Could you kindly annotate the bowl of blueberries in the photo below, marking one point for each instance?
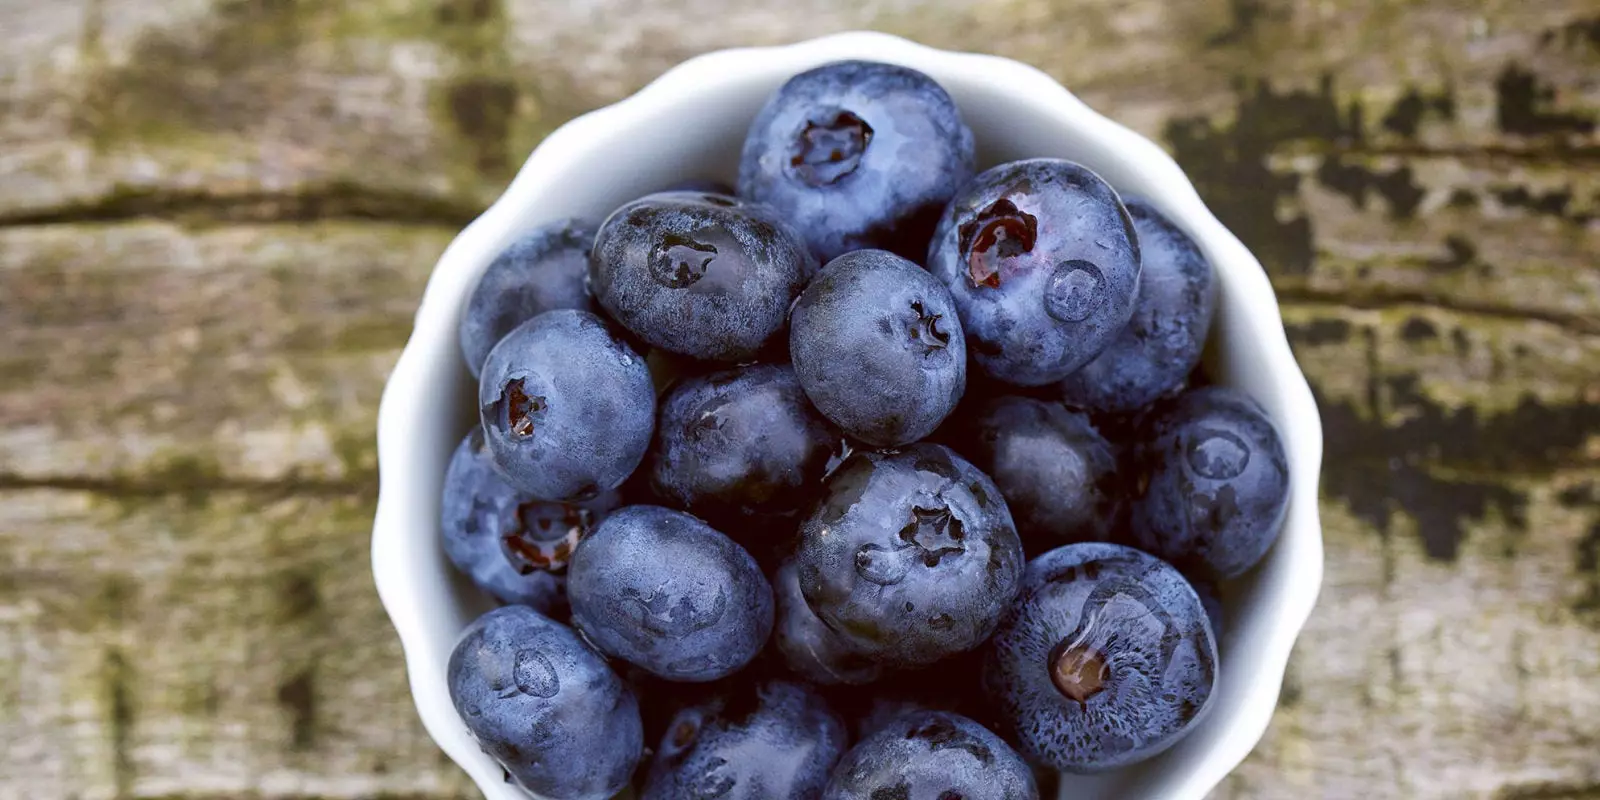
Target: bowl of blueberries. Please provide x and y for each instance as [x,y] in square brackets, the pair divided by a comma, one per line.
[847,420]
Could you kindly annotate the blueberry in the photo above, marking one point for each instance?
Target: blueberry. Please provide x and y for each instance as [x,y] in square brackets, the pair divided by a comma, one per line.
[545,705]
[542,271]
[807,645]
[666,591]
[1213,483]
[702,275]
[740,443]
[911,556]
[567,406]
[932,755]
[859,155]
[1043,263]
[769,741]
[1161,344]
[513,546]
[1104,660]
[1057,473]
[878,348]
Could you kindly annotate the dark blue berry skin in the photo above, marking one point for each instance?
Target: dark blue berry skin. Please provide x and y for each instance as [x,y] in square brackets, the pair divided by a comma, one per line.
[567,406]
[702,275]
[545,705]
[859,155]
[740,443]
[512,545]
[1043,263]
[878,348]
[544,270]
[808,647]
[1153,356]
[1057,473]
[911,556]
[774,740]
[932,755]
[1214,483]
[669,593]
[1106,659]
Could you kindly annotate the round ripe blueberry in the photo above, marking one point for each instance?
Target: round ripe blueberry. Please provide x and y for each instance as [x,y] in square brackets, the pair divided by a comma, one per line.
[545,705]
[878,348]
[512,545]
[754,741]
[932,755]
[567,406]
[911,556]
[859,155]
[1105,659]
[1057,473]
[807,645]
[666,591]
[739,443]
[542,271]
[703,275]
[1161,345]
[1043,263]
[1211,481]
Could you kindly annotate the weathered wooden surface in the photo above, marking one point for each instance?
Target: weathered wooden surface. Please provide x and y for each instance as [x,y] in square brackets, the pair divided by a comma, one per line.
[216,217]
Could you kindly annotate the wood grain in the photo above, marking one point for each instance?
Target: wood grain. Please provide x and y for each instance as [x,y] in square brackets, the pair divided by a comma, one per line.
[216,217]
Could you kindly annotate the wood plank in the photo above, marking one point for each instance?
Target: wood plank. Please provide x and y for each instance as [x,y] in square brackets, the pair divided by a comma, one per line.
[153,354]
[208,646]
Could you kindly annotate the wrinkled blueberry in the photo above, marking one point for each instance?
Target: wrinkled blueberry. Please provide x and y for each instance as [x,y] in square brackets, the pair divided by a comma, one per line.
[740,443]
[1104,660]
[542,271]
[775,740]
[860,155]
[567,406]
[513,546]
[878,348]
[1212,483]
[911,556]
[932,755]
[807,645]
[545,705]
[1043,263]
[1161,344]
[668,592]
[703,275]
[1056,472]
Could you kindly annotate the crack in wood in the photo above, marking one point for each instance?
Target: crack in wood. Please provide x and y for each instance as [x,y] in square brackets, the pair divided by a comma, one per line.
[126,487]
[1387,299]
[335,201]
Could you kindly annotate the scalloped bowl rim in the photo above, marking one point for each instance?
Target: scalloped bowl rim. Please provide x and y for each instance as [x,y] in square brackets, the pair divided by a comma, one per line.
[1289,579]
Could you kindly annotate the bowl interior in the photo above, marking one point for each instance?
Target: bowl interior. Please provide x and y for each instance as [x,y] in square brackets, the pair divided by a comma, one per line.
[690,123]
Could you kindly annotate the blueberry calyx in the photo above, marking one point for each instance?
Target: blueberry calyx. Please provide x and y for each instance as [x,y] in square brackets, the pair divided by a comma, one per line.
[934,531]
[538,544]
[522,409]
[1001,231]
[926,330]
[1217,454]
[826,151]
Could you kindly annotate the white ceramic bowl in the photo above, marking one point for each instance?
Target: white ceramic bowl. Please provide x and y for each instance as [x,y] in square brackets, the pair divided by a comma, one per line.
[690,123]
